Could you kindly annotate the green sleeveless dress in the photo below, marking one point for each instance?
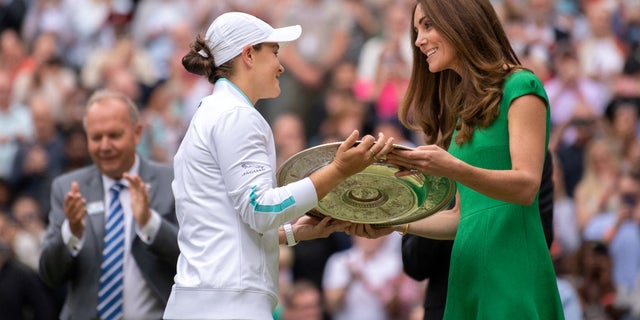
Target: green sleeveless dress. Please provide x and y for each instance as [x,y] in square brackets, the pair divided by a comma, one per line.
[500,263]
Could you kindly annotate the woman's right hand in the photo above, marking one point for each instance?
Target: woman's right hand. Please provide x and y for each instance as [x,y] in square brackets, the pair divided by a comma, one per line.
[308,228]
[350,159]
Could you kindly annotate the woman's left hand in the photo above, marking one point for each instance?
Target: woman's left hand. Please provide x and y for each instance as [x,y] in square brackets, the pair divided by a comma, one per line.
[429,159]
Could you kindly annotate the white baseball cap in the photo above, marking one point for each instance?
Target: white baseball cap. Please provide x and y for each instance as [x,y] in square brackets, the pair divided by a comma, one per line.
[230,32]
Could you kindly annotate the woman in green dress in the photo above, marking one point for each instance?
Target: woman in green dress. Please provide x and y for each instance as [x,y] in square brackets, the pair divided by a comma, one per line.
[486,123]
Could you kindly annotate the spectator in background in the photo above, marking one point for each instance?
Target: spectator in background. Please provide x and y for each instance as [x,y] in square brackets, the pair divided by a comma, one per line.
[534,57]
[51,18]
[27,244]
[322,45]
[289,136]
[152,27]
[15,125]
[540,31]
[393,128]
[13,12]
[48,78]
[343,112]
[565,223]
[38,162]
[6,195]
[302,301]
[162,125]
[366,281]
[365,25]
[596,193]
[385,65]
[395,36]
[41,49]
[125,53]
[596,290]
[343,76]
[621,117]
[95,24]
[586,126]
[257,8]
[124,80]
[188,89]
[627,83]
[568,89]
[310,257]
[627,23]
[571,304]
[30,228]
[601,53]
[22,295]
[76,153]
[622,235]
[73,109]
[285,280]
[54,82]
[339,111]
[13,53]
[201,12]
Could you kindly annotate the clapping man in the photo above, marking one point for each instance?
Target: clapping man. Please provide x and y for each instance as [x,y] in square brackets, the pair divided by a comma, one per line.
[112,237]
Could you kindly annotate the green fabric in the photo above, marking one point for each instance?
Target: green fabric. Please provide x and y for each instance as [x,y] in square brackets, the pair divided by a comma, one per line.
[277,313]
[500,264]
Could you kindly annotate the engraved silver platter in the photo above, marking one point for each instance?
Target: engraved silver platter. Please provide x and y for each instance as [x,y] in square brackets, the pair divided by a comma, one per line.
[373,196]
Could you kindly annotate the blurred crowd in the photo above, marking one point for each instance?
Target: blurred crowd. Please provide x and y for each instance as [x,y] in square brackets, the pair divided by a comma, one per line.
[348,70]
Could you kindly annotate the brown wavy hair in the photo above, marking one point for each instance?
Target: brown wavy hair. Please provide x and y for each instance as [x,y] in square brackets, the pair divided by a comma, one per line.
[438,103]
[205,66]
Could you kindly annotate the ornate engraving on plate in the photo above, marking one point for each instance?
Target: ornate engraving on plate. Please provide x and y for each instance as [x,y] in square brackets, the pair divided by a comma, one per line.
[374,195]
[441,192]
[369,198]
[364,197]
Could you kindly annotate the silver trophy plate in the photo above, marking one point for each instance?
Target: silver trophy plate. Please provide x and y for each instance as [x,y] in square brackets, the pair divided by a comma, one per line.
[374,195]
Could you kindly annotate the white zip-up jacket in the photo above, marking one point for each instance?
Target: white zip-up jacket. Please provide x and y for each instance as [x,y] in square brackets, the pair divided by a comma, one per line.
[229,210]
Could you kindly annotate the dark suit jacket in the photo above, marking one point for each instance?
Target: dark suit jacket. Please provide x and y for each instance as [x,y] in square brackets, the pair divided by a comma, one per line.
[20,290]
[81,273]
[424,258]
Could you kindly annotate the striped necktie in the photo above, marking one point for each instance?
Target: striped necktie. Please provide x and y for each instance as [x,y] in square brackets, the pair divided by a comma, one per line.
[110,298]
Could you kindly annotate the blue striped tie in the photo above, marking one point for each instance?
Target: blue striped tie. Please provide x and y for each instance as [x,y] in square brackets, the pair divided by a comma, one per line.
[110,298]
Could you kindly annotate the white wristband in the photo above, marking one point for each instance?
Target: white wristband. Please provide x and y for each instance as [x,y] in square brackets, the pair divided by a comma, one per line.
[288,232]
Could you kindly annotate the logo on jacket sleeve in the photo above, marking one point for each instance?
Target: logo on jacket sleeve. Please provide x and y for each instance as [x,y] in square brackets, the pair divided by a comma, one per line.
[250,168]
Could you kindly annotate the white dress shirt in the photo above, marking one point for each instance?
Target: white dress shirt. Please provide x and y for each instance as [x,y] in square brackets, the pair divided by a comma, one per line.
[139,300]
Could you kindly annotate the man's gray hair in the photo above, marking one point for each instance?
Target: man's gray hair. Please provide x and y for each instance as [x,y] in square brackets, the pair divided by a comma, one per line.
[104,94]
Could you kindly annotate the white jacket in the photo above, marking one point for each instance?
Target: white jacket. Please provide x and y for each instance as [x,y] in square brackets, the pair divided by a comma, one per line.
[229,210]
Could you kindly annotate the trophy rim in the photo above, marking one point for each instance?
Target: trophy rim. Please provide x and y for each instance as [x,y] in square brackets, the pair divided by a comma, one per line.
[381,199]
